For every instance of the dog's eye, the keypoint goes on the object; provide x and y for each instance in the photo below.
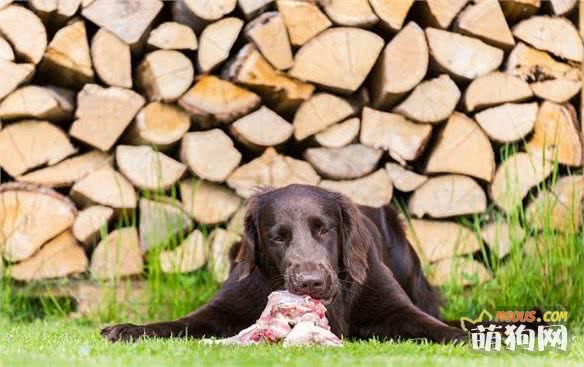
(322, 230)
(280, 236)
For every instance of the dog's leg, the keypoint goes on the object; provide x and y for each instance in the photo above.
(385, 311)
(236, 306)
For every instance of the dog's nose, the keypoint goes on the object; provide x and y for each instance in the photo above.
(311, 282)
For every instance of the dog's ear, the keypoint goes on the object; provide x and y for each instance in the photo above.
(356, 240)
(248, 255)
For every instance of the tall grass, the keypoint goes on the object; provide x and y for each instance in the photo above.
(544, 269)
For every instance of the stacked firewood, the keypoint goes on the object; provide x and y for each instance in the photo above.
(127, 125)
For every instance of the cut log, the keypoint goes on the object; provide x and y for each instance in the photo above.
(165, 75)
(207, 202)
(461, 271)
(13, 75)
(25, 32)
(67, 61)
(502, 237)
(43, 103)
(69, 171)
(104, 187)
(440, 13)
(486, 21)
(509, 122)
(374, 190)
(271, 169)
(66, 9)
(516, 10)
(559, 208)
(103, 114)
(463, 148)
(549, 79)
(319, 112)
(251, 8)
(37, 143)
(161, 222)
(213, 101)
(515, 177)
(556, 135)
(160, 125)
(352, 161)
(172, 36)
(60, 257)
(448, 196)
(437, 240)
(91, 224)
(261, 129)
(210, 154)
(461, 56)
(269, 35)
(403, 139)
(191, 255)
(353, 13)
(494, 89)
(216, 42)
(219, 254)
(432, 101)
(402, 66)
(29, 217)
(403, 179)
(338, 58)
(543, 32)
(112, 59)
(127, 19)
(197, 14)
(563, 7)
(392, 13)
(280, 92)
(6, 52)
(236, 224)
(148, 169)
(303, 19)
(117, 255)
(339, 135)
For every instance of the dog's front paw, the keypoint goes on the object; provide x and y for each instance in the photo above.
(123, 332)
(455, 336)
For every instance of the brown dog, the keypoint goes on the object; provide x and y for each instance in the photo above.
(312, 241)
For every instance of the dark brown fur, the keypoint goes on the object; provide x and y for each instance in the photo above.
(370, 273)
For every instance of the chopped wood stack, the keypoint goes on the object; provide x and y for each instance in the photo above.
(127, 125)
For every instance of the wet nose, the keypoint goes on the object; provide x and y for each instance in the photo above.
(311, 282)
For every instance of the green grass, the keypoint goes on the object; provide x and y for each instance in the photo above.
(37, 330)
(71, 343)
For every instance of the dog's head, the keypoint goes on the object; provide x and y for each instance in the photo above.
(305, 239)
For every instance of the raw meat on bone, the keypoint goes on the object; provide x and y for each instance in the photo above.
(297, 320)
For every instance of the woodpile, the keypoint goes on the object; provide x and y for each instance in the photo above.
(132, 131)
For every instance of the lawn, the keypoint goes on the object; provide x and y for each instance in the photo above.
(71, 343)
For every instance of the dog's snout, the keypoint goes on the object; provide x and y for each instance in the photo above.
(310, 279)
(311, 282)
